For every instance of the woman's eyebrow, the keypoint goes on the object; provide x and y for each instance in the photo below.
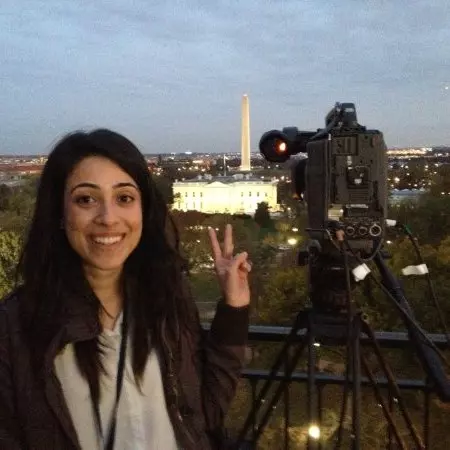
(96, 186)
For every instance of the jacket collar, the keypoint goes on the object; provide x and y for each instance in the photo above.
(78, 323)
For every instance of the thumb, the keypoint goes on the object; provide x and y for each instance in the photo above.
(239, 259)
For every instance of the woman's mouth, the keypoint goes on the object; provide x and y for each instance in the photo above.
(107, 240)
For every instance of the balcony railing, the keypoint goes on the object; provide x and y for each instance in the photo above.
(289, 424)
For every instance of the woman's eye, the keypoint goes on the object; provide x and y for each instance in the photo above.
(125, 198)
(84, 200)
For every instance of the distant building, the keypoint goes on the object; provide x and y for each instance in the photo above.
(236, 194)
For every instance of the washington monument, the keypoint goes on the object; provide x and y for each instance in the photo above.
(245, 135)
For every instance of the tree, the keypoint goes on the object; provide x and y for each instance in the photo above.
(262, 216)
(164, 185)
(17, 204)
(428, 217)
(10, 245)
(5, 194)
(441, 182)
(21, 199)
(284, 295)
(288, 198)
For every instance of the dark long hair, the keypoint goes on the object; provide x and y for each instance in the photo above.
(51, 270)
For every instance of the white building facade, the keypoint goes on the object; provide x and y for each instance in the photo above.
(236, 194)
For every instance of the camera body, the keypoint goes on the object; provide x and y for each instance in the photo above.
(343, 179)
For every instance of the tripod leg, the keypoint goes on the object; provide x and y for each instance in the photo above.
(314, 391)
(430, 356)
(390, 430)
(277, 395)
(319, 409)
(300, 322)
(311, 444)
(393, 385)
(381, 401)
(356, 379)
(286, 401)
(353, 379)
(426, 419)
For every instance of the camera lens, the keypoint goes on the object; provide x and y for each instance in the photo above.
(375, 230)
(274, 146)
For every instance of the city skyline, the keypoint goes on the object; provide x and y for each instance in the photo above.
(171, 76)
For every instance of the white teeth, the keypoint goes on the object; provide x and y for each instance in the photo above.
(107, 240)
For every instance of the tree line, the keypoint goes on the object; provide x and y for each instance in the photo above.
(279, 285)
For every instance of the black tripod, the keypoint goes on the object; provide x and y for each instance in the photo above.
(314, 325)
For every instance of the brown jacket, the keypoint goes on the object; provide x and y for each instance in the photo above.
(199, 381)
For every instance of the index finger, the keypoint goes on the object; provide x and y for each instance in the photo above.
(215, 246)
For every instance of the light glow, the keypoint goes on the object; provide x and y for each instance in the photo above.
(314, 431)
(282, 147)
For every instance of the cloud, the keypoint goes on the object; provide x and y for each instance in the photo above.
(170, 74)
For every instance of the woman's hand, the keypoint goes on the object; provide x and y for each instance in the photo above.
(232, 271)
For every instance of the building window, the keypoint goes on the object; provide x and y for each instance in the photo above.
(242, 194)
(193, 194)
(185, 194)
(257, 194)
(266, 194)
(201, 194)
(250, 194)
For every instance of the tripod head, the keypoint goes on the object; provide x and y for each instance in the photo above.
(327, 278)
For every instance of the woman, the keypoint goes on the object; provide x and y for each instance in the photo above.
(101, 346)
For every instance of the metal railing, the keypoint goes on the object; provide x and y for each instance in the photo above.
(289, 427)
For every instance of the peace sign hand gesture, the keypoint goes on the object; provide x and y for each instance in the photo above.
(232, 271)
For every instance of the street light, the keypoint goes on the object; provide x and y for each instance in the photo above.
(314, 431)
(292, 241)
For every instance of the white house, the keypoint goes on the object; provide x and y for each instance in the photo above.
(235, 194)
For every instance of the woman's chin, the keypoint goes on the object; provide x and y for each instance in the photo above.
(104, 266)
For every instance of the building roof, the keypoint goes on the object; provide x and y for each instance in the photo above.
(227, 179)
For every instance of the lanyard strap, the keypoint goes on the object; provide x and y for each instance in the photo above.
(109, 443)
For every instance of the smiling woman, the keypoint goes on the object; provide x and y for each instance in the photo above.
(102, 339)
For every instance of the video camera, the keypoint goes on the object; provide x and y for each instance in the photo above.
(343, 179)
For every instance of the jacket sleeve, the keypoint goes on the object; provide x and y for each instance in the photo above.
(223, 350)
(9, 429)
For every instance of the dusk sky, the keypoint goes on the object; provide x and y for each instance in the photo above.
(170, 74)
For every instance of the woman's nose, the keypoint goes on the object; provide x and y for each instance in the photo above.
(107, 214)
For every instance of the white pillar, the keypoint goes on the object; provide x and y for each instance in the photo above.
(245, 136)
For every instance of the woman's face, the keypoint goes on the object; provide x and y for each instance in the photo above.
(102, 214)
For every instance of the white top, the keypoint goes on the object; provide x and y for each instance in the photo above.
(142, 419)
